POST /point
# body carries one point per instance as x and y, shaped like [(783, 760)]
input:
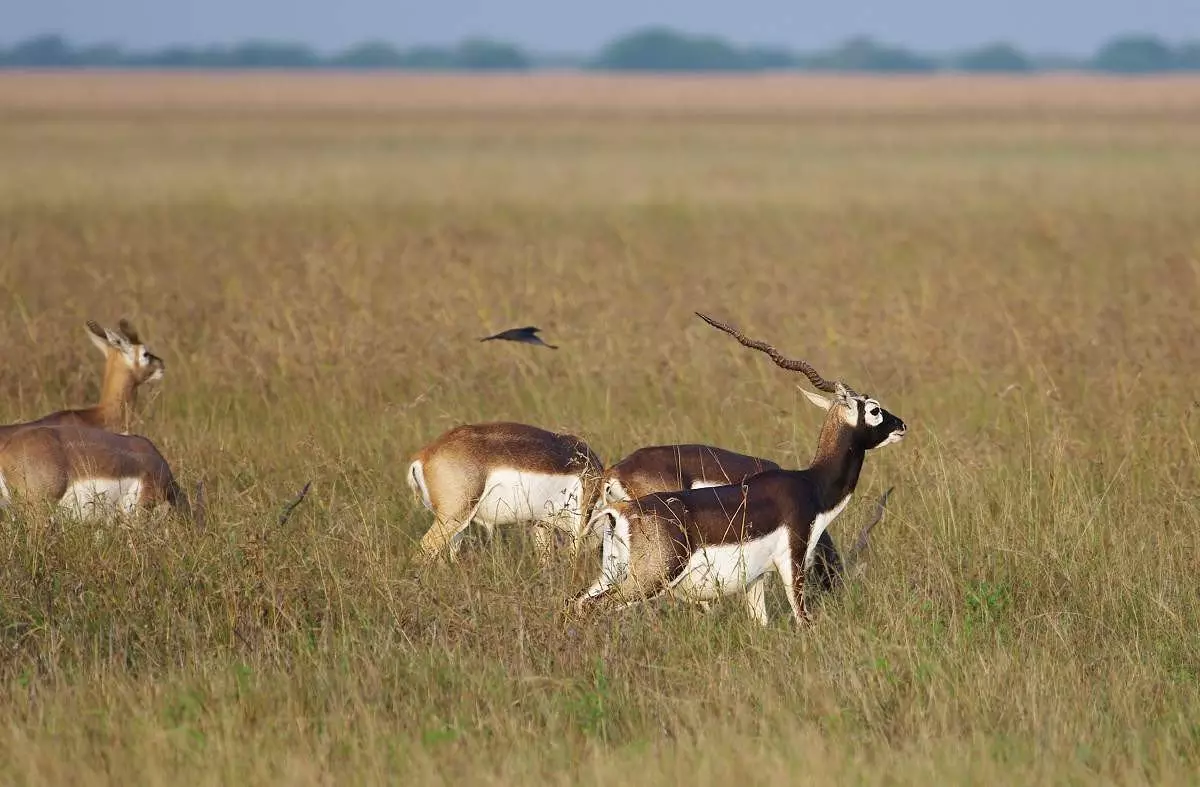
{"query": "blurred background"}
[(675, 35)]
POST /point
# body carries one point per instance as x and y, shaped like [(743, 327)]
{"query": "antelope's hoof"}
[(576, 607), (423, 561)]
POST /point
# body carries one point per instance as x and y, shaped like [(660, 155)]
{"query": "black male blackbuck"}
[(504, 473), (127, 366), (701, 544), (666, 468)]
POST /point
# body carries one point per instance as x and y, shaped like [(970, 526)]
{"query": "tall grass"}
[(1021, 286)]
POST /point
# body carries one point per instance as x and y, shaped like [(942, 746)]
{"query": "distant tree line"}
[(650, 49)]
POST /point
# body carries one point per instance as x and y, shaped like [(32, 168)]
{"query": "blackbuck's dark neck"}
[(837, 464)]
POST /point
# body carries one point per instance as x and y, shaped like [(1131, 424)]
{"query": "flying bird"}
[(526, 335)]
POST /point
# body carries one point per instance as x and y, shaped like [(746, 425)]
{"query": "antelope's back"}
[(60, 418), (663, 468), (505, 443), (93, 450)]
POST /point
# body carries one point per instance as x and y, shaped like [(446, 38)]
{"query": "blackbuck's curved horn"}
[(782, 361)]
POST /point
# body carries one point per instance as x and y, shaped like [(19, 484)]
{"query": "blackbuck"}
[(666, 468), (504, 474), (87, 472), (701, 544), (127, 365)]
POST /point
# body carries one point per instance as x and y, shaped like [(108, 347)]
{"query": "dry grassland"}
[(1013, 267)]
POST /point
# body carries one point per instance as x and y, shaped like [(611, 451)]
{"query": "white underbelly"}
[(720, 570), (97, 498), (513, 496)]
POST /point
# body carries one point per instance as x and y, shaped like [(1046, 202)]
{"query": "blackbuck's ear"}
[(98, 336), (118, 341), (816, 398), (128, 331)]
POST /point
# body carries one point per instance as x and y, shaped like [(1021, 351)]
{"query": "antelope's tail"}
[(416, 482)]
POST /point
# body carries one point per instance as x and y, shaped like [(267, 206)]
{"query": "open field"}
[(1013, 267)]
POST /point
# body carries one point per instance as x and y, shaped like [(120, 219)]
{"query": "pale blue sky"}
[(1068, 26)]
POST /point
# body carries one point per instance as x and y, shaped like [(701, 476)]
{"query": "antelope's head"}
[(869, 424), (125, 350)]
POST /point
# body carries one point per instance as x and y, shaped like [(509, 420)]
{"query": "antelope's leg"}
[(756, 600), (580, 533), (791, 573), (630, 589), (611, 576), (627, 587), (456, 541), (614, 565), (447, 531), (438, 537), (543, 540), (651, 577), (635, 593)]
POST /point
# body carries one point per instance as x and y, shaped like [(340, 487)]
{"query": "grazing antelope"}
[(88, 472), (503, 473), (702, 544), (128, 364), (666, 468)]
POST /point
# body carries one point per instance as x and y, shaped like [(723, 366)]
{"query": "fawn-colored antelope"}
[(89, 472), (501, 474), (127, 366)]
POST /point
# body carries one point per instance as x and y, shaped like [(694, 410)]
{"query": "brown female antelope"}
[(87, 472), (500, 474), (128, 364), (666, 468), (702, 544)]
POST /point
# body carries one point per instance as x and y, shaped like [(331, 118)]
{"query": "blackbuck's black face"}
[(878, 426), (872, 425)]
